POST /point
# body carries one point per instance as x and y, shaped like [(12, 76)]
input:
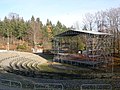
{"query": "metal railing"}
[(96, 87), (11, 83), (37, 86)]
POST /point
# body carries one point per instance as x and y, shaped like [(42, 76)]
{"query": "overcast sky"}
[(66, 11)]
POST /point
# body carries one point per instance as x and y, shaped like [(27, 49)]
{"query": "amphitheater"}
[(28, 63), (21, 61)]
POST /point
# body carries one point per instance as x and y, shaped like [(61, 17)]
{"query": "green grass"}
[(46, 68), (69, 69)]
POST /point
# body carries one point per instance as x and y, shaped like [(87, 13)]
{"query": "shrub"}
[(22, 47)]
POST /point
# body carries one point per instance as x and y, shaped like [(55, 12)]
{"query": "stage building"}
[(84, 48)]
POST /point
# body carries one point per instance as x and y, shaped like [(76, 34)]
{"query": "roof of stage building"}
[(74, 32)]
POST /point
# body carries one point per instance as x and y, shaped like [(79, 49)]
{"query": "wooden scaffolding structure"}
[(97, 51)]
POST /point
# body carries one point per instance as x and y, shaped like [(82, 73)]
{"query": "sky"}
[(68, 12)]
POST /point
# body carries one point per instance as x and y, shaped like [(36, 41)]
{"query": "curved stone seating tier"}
[(24, 65), (7, 55), (6, 62), (19, 64), (35, 66), (20, 61), (29, 65), (38, 65), (13, 64), (32, 56)]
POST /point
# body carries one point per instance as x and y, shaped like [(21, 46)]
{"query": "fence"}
[(96, 87), (36, 86)]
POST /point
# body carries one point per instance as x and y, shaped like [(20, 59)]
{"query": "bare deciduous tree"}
[(106, 21), (88, 21)]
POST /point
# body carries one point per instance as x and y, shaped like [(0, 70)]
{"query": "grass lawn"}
[(63, 68), (54, 67)]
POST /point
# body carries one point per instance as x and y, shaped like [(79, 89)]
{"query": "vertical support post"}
[(112, 42), (8, 42)]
